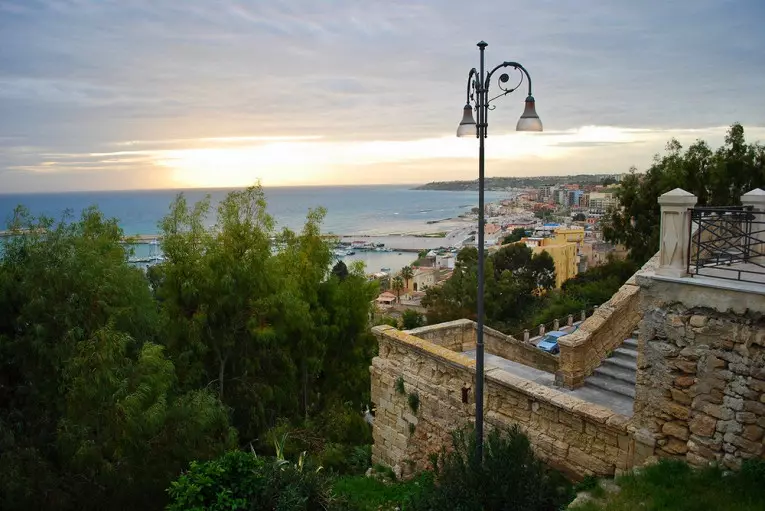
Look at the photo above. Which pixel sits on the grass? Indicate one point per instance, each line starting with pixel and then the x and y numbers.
pixel 673 485
pixel 369 494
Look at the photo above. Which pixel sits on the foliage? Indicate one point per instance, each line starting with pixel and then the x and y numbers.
pixel 412 319
pixel 276 335
pixel 407 273
pixel 413 399
pixel 515 236
pixel 242 481
pixel 340 270
pixel 593 287
pixel 509 477
pixel 717 178
pixel 672 484
pixel 397 286
pixel 91 416
pixel 516 278
pixel 361 493
pixel 399 386
pixel 579 217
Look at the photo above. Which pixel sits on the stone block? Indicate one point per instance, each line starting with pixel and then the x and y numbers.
pixel 675 429
pixel 684 381
pixel 674 409
pixel 680 396
pixel 717 411
pixel 686 366
pixel 702 425
pixel 581 459
pixel 755 407
pixel 675 446
pixel 698 321
pixel 752 432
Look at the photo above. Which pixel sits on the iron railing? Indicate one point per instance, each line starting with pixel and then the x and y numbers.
pixel 726 242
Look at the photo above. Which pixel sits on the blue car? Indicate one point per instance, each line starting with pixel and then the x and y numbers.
pixel 549 342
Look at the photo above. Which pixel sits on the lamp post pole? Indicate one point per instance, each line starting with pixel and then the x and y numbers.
pixel 478 99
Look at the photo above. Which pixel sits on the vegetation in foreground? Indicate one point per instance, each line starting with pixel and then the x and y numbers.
pixel 510 477
pixel 673 485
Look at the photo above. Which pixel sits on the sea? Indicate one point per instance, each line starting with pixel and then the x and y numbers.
pixel 351 210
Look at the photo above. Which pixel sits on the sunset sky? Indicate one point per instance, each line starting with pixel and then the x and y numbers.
pixel 125 94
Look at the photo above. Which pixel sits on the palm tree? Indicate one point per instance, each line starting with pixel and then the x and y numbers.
pixel 407 273
pixel 397 286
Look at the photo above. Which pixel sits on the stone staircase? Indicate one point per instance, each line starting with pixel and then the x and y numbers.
pixel 616 375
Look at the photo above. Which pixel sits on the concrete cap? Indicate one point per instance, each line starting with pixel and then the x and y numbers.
pixel 677 197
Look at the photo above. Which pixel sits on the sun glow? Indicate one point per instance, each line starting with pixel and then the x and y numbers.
pixel 309 161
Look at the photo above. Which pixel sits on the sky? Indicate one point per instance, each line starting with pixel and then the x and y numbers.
pixel 129 94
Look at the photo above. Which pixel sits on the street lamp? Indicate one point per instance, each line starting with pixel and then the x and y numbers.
pixel 478 99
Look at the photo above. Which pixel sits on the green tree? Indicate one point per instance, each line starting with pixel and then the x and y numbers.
pixel 717 178
pixel 90 413
pixel 397 286
pixel 579 217
pixel 515 281
pixel 340 270
pixel 272 333
pixel 407 273
pixel 515 236
pixel 412 319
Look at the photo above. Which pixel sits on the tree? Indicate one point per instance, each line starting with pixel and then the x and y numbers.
pixel 407 273
pixel 717 178
pixel 340 270
pixel 277 335
pixel 515 236
pixel 412 319
pixel 90 411
pixel 609 180
pixel 397 286
pixel 515 281
pixel 579 217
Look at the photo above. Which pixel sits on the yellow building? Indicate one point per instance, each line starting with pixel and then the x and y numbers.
pixel 564 255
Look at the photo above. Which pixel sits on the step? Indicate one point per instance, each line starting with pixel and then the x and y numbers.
pixel 630 343
pixel 617 373
pixel 624 363
pixel 625 354
pixel 610 385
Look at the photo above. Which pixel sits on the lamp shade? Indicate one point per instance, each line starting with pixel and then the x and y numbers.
pixel 529 121
pixel 467 124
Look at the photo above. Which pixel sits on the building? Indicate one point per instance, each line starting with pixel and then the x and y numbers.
pixel 600 202
pixel 386 298
pixel 424 278
pixel 445 261
pixel 564 255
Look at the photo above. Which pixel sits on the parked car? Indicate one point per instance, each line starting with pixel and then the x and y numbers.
pixel 549 342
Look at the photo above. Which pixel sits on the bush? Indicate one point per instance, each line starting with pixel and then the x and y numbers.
pixel 510 477
pixel 242 481
pixel 412 319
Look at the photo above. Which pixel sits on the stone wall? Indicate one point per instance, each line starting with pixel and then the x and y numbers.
pixel 507 346
pixel 572 435
pixel 613 322
pixel 458 335
pixel 701 369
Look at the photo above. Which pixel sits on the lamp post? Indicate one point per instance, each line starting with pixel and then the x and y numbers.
pixel 478 98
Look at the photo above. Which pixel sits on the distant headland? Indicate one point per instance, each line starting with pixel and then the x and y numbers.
pixel 505 183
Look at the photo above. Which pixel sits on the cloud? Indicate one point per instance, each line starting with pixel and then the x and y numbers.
pixel 78 76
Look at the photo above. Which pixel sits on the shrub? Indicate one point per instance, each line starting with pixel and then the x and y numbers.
pixel 400 385
pixel 509 477
pixel 412 319
pixel 242 481
pixel 414 402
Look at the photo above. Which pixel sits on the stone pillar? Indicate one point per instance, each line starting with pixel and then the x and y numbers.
pixel 756 199
pixel 556 324
pixel 570 321
pixel 526 335
pixel 675 232
pixel 541 329
pixel 584 315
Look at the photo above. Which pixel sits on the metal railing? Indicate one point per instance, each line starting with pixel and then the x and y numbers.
pixel 726 242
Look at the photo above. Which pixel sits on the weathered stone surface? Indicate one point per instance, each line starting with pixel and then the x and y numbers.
pixel 676 429
pixel 697 321
pixel 684 381
pixel 703 425
pixel 675 446
pixel 681 396
pixel 752 432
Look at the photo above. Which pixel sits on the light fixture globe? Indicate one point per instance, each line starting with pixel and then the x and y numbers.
pixel 467 127
pixel 529 121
